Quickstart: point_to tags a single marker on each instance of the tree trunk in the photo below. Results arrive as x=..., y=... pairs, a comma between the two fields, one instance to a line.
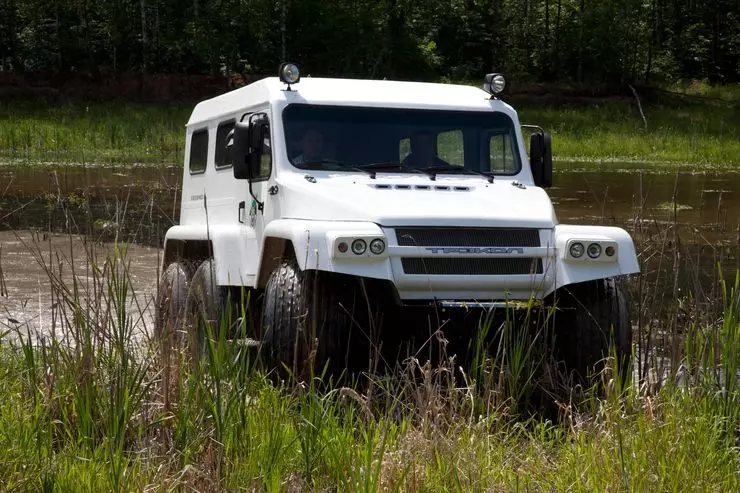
x=144, y=37
x=579, y=72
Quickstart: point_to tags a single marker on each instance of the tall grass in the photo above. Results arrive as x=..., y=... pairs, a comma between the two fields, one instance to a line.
x=92, y=134
x=82, y=409
x=691, y=135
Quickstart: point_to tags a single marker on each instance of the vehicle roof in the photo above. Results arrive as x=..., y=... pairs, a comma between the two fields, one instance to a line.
x=351, y=92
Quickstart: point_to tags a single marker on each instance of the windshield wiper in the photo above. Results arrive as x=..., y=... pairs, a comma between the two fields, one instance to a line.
x=449, y=168
x=394, y=164
x=340, y=164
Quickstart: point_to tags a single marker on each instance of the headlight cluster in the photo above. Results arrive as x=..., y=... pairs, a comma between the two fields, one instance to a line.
x=358, y=247
x=592, y=250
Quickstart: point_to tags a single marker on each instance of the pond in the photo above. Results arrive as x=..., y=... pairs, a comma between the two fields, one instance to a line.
x=685, y=224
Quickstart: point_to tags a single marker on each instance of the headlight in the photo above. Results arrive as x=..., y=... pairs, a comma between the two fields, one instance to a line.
x=577, y=250
x=594, y=250
x=590, y=250
x=359, y=247
x=377, y=246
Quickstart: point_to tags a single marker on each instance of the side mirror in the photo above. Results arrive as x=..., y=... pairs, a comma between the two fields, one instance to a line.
x=240, y=150
x=540, y=159
x=247, y=146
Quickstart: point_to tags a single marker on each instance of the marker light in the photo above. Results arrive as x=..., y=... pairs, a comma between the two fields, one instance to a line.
x=610, y=251
x=359, y=247
x=289, y=73
x=594, y=250
x=377, y=246
x=342, y=247
x=577, y=250
x=494, y=83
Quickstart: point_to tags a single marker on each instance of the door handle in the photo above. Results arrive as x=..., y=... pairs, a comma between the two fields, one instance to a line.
x=242, y=210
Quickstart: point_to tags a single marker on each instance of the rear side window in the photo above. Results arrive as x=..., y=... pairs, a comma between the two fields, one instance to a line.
x=198, y=151
x=223, y=157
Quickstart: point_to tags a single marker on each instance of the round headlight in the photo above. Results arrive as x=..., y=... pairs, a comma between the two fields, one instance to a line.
x=359, y=247
x=577, y=250
x=377, y=246
x=610, y=251
x=289, y=73
x=498, y=83
x=594, y=250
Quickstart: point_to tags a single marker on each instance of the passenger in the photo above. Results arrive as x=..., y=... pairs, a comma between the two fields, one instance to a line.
x=312, y=147
x=423, y=151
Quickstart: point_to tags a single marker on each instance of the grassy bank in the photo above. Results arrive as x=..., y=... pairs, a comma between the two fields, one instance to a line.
x=690, y=136
x=99, y=411
x=32, y=133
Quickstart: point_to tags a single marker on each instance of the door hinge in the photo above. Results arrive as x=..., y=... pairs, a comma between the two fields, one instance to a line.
x=273, y=190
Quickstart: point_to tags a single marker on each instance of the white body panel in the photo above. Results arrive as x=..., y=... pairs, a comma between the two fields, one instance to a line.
x=314, y=214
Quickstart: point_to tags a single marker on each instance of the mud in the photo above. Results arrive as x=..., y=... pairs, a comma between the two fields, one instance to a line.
x=33, y=266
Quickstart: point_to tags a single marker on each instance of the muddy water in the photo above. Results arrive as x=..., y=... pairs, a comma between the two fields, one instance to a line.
x=685, y=224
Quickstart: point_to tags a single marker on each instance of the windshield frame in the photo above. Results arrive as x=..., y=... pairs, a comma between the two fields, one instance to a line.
x=509, y=122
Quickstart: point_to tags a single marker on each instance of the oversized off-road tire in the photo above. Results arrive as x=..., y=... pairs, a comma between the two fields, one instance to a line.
x=310, y=323
x=593, y=321
x=205, y=307
x=171, y=296
x=169, y=324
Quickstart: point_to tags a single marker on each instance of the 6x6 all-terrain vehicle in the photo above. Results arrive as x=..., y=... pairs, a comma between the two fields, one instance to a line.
x=333, y=201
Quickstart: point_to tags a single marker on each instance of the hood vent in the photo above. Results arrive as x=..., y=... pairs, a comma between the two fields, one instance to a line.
x=440, y=188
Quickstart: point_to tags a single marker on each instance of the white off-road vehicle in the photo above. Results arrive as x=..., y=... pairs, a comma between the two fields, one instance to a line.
x=348, y=209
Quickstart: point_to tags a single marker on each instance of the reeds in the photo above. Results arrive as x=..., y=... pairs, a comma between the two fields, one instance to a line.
x=82, y=408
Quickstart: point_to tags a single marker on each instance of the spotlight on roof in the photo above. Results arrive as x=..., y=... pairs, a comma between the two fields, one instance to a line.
x=289, y=73
x=493, y=84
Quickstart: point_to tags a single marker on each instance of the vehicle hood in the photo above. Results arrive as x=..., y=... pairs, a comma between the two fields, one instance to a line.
x=401, y=200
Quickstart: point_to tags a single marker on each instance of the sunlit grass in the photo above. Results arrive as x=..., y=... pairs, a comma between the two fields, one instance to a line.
x=75, y=133
x=692, y=135
x=677, y=137
x=89, y=415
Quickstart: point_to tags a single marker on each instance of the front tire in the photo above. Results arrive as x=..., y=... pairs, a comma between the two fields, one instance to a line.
x=309, y=319
x=594, y=323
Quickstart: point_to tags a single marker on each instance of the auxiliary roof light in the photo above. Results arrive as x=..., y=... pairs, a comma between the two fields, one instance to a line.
x=289, y=73
x=493, y=84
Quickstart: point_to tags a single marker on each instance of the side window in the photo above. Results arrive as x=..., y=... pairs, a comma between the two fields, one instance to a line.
x=223, y=159
x=404, y=149
x=266, y=160
x=198, y=151
x=450, y=147
x=501, y=154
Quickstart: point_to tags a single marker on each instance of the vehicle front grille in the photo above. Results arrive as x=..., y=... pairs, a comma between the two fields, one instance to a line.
x=465, y=266
x=469, y=237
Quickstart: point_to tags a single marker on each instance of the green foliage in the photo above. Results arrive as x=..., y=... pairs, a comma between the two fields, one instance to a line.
x=590, y=41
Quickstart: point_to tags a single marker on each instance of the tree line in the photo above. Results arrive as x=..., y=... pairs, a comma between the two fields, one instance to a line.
x=584, y=41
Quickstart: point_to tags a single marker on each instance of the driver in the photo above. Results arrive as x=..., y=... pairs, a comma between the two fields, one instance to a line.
x=423, y=151
x=312, y=147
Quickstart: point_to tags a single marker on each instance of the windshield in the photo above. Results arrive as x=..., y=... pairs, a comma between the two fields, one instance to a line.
x=346, y=138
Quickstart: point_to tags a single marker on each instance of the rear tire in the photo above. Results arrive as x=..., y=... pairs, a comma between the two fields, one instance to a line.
x=171, y=296
x=169, y=324
x=594, y=323
x=206, y=305
x=310, y=321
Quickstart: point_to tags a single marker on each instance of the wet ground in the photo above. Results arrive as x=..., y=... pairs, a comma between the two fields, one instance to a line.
x=685, y=224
